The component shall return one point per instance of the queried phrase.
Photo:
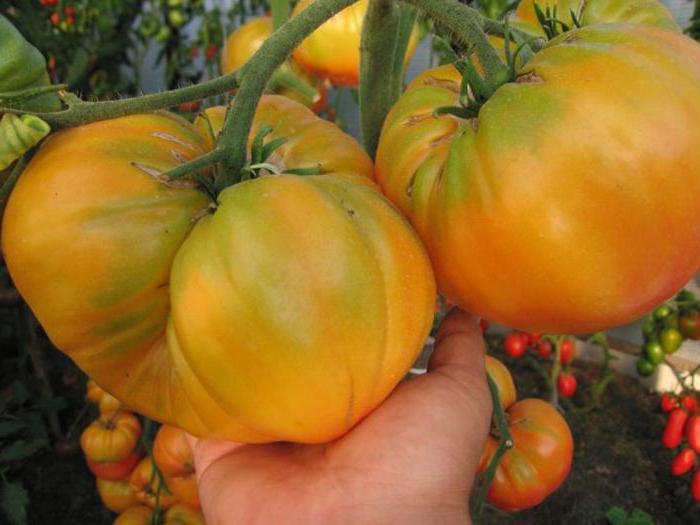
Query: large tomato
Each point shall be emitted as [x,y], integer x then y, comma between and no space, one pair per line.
[333,50]
[117,496]
[646,12]
[111,437]
[566,206]
[289,312]
[539,461]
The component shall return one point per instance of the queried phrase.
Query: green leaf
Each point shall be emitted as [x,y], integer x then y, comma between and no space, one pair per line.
[639,517]
[78,67]
[21,449]
[7,428]
[13,501]
[616,516]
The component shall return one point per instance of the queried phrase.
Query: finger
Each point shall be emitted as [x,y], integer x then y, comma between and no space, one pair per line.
[459,346]
[208,451]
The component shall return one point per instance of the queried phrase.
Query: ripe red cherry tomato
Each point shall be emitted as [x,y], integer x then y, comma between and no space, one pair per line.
[544,348]
[690,402]
[695,486]
[692,432]
[515,344]
[567,384]
[668,402]
[673,433]
[683,462]
[567,351]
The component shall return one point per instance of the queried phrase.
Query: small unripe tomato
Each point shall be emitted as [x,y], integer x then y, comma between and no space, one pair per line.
[567,384]
[670,340]
[514,344]
[662,312]
[690,325]
[644,367]
[654,352]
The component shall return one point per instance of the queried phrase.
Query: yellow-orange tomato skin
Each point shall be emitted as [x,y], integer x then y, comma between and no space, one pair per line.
[644,12]
[181,514]
[567,206]
[150,488]
[342,305]
[117,496]
[111,437]
[333,50]
[136,515]
[242,43]
[539,461]
[504,381]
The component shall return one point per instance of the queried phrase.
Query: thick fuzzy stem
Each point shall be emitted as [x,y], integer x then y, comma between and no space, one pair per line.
[467,28]
[385,34]
[255,75]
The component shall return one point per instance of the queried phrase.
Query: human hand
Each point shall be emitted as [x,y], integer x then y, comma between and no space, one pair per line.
[412,460]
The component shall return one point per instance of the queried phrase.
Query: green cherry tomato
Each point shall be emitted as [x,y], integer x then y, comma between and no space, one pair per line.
[654,352]
[672,321]
[685,296]
[662,312]
[648,327]
[645,368]
[671,340]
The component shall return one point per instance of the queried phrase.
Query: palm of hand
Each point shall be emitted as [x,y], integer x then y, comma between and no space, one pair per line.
[411,461]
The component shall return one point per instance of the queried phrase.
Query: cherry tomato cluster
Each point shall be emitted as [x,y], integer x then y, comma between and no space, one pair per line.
[130,484]
[665,329]
[682,432]
[517,343]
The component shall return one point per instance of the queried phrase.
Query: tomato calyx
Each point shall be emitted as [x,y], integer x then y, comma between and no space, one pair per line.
[262,161]
[553,26]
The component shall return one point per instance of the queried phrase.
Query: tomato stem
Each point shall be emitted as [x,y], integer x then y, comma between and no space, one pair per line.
[505,443]
[386,31]
[255,75]
[556,370]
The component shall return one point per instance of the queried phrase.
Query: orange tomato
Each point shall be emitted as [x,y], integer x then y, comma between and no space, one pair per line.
[185,489]
[111,437]
[540,213]
[136,515]
[108,403]
[171,452]
[290,80]
[333,50]
[504,381]
[114,470]
[117,496]
[94,392]
[180,514]
[539,461]
[149,487]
